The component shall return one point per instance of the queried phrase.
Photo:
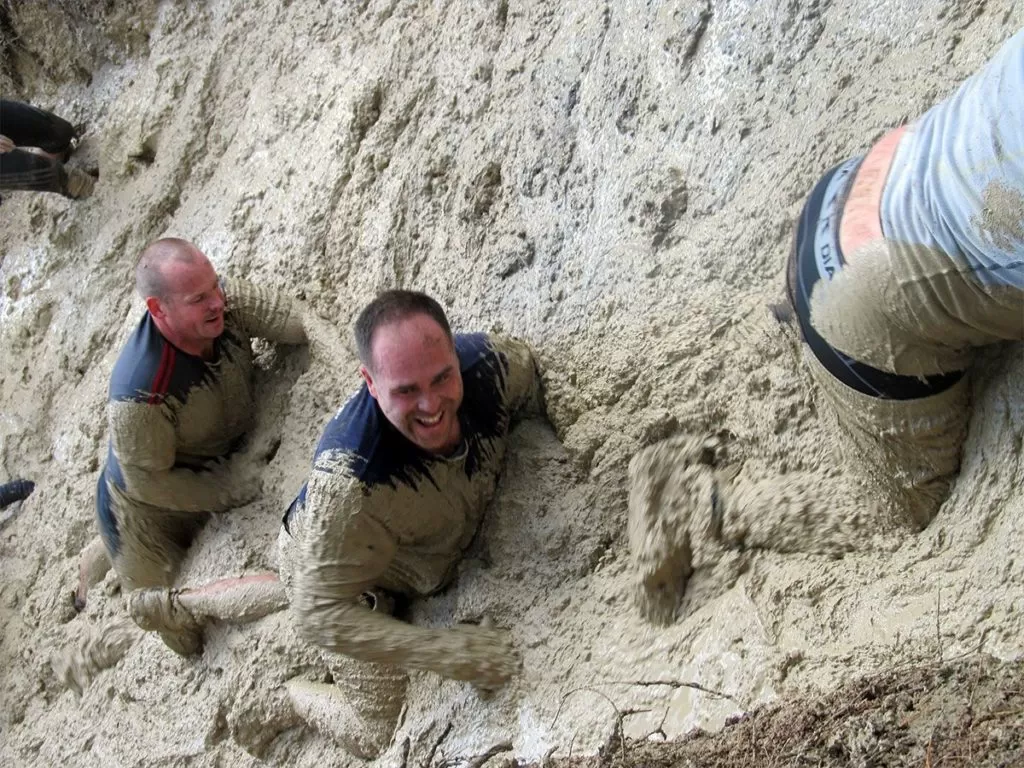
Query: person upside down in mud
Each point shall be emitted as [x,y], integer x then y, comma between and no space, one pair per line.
[905,261]
[180,407]
[399,483]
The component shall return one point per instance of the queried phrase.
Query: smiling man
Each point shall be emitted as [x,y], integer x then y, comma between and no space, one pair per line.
[179,407]
[400,481]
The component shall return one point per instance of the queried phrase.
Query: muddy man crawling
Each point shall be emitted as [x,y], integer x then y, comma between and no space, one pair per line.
[179,410]
[399,484]
[905,261]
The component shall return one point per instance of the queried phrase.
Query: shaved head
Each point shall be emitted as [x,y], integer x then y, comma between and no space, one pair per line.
[149,272]
[183,295]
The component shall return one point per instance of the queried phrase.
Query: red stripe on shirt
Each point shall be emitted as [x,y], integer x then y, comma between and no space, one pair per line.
[163,375]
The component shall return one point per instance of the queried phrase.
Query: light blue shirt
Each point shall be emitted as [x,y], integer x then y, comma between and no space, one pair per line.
[963,156]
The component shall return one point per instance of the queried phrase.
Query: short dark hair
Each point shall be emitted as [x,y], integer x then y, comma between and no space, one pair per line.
[390,307]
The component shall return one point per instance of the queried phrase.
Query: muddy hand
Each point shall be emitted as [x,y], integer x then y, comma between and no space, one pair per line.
[483,656]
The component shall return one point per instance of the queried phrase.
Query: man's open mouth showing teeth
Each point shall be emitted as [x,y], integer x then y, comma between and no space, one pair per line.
[430,422]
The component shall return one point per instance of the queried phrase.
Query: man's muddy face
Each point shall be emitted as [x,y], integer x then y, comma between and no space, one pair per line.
[193,308]
[416,382]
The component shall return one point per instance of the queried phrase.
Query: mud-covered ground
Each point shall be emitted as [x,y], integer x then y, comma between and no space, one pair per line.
[612,181]
[958,714]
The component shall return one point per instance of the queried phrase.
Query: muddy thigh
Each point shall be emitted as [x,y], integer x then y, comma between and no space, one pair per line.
[153,543]
[865,313]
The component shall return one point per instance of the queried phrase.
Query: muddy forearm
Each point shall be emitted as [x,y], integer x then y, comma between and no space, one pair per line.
[468,653]
[185,490]
[265,313]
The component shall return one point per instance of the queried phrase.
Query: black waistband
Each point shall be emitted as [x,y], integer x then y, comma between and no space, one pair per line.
[816,255]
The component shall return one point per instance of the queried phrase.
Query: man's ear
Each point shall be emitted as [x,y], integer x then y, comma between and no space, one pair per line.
[154,307]
[368,378]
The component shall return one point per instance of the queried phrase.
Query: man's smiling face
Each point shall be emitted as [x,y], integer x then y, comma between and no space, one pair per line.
[416,381]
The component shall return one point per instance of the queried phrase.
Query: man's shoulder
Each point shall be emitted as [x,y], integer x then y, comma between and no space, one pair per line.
[150,369]
[360,441]
[145,361]
[484,368]
[474,349]
[354,430]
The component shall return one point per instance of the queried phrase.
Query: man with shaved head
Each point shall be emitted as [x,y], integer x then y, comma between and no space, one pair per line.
[179,408]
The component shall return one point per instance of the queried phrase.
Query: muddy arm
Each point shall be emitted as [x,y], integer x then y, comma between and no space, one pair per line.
[142,437]
[276,317]
[339,555]
[264,313]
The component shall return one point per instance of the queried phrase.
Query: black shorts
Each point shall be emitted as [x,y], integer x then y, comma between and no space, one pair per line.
[815,256]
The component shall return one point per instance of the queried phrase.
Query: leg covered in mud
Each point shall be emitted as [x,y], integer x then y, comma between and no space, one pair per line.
[146,547]
[682,500]
[905,453]
[363,708]
[890,327]
[179,615]
[360,711]
[94,563]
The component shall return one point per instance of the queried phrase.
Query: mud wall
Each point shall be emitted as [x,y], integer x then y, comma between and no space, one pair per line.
[614,182]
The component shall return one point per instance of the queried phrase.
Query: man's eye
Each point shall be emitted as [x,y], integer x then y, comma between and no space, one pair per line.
[195,299]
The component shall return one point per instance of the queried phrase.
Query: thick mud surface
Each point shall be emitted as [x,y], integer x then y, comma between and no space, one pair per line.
[613,182]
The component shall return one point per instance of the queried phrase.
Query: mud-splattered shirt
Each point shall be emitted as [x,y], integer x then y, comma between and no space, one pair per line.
[956,187]
[174,417]
[378,511]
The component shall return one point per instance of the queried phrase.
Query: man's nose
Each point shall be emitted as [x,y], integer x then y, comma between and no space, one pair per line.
[429,402]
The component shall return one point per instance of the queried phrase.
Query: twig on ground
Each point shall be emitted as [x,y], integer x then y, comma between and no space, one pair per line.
[620,715]
[678,684]
[433,750]
[497,749]
[565,698]
[994,715]
[618,733]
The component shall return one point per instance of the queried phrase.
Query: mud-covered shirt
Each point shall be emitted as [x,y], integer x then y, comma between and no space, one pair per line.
[378,511]
[174,417]
[956,188]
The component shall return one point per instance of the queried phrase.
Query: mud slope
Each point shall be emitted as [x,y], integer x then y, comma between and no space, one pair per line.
[613,182]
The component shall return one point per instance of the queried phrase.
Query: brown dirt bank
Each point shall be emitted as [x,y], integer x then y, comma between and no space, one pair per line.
[957,714]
